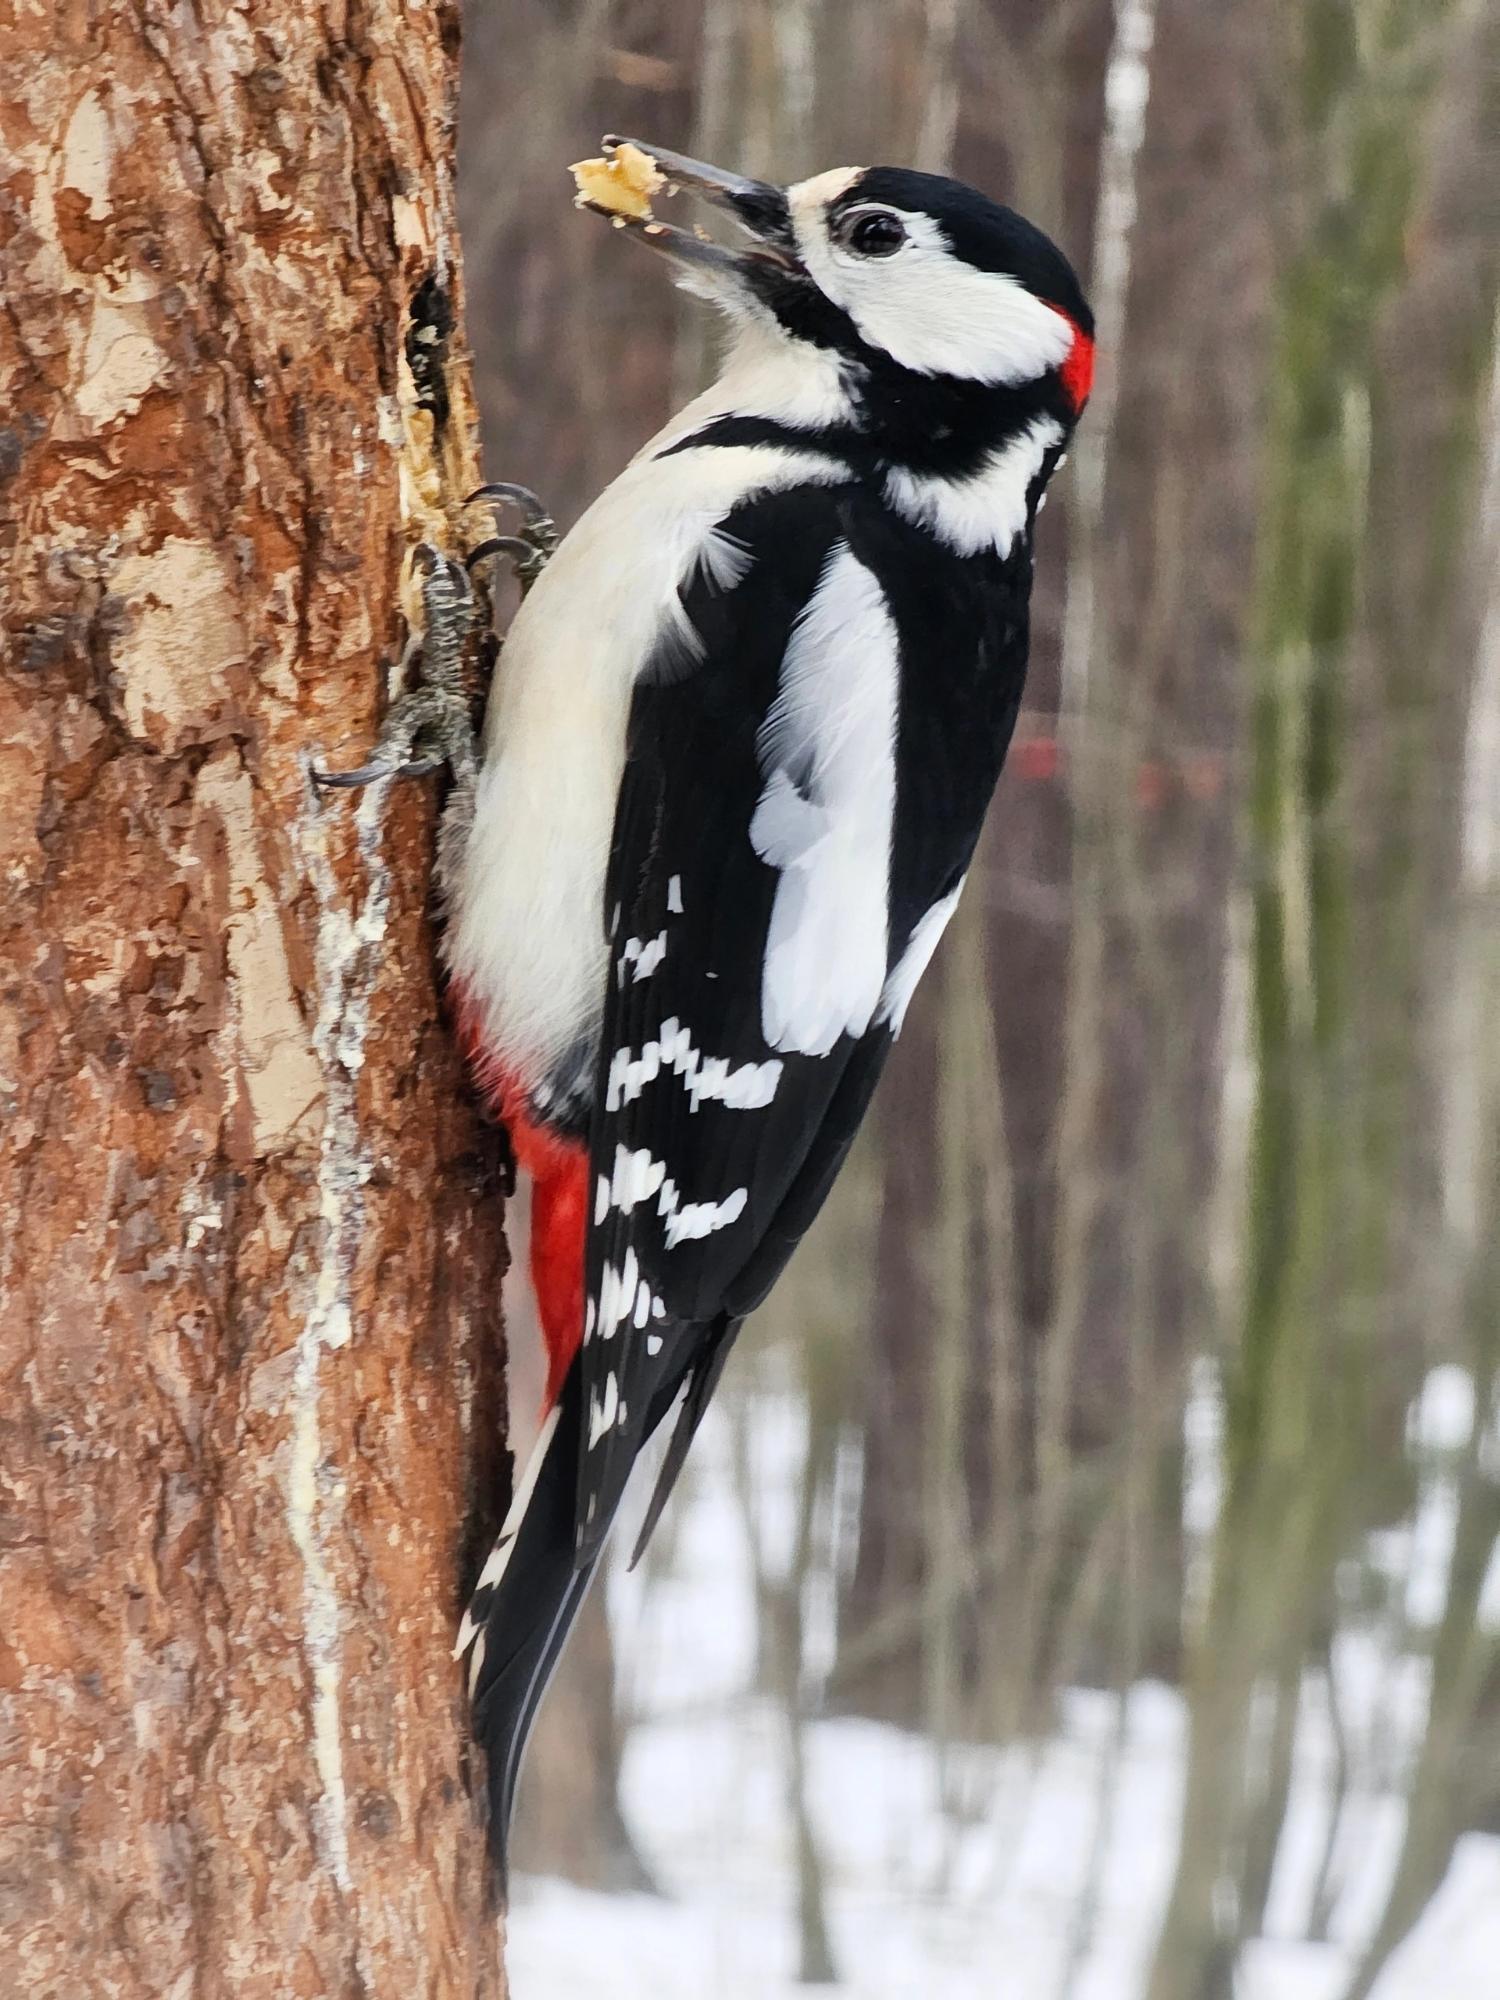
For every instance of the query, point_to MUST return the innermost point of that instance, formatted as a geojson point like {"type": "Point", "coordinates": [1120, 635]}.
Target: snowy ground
{"type": "Point", "coordinates": [1049, 1881]}
{"type": "Point", "coordinates": [728, 1929]}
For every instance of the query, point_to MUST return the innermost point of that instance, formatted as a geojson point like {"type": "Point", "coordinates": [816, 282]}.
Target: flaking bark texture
{"type": "Point", "coordinates": [250, 1239]}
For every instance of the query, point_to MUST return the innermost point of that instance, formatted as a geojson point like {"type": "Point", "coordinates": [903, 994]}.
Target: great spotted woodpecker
{"type": "Point", "coordinates": [744, 733]}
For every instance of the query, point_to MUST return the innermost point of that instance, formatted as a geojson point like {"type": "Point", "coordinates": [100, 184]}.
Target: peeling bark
{"type": "Point", "coordinates": [249, 1270]}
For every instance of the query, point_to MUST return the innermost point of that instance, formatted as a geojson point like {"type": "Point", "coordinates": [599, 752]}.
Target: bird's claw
{"type": "Point", "coordinates": [430, 724]}
{"type": "Point", "coordinates": [424, 729]}
{"type": "Point", "coordinates": [532, 548]}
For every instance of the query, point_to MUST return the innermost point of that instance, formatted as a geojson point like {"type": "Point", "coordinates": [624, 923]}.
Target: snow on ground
{"type": "Point", "coordinates": [1049, 1886]}
{"type": "Point", "coordinates": [704, 1800]}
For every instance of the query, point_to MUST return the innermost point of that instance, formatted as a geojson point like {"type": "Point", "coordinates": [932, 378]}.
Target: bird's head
{"type": "Point", "coordinates": [926, 291]}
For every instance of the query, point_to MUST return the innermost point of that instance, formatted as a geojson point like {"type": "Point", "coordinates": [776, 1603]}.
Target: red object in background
{"type": "Point", "coordinates": [1035, 757]}
{"type": "Point", "coordinates": [1151, 786]}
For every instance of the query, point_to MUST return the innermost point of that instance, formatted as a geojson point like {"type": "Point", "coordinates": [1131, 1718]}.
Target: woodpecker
{"type": "Point", "coordinates": [746, 726]}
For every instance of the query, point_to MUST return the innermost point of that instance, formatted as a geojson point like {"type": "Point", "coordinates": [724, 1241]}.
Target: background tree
{"type": "Point", "coordinates": [1089, 1396]}
{"type": "Point", "coordinates": [250, 1240]}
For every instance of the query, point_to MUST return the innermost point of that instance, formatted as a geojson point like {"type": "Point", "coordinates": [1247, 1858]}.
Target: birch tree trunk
{"type": "Point", "coordinates": [250, 1236]}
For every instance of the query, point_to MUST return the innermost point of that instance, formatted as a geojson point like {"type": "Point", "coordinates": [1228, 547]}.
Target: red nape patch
{"type": "Point", "coordinates": [559, 1171]}
{"type": "Point", "coordinates": [1077, 370]}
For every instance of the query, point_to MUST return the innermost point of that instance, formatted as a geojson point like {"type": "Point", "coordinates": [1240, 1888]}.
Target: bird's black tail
{"type": "Point", "coordinates": [538, 1573]}
{"type": "Point", "coordinates": [523, 1607]}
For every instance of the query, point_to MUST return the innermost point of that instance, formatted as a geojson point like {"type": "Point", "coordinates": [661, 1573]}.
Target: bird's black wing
{"type": "Point", "coordinates": [716, 1132]}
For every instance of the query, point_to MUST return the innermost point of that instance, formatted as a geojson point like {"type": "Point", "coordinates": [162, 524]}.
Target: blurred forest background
{"type": "Point", "coordinates": [1100, 1524]}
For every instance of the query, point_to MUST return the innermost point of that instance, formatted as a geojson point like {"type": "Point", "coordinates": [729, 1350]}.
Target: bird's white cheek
{"type": "Point", "coordinates": [934, 313]}
{"type": "Point", "coordinates": [938, 316]}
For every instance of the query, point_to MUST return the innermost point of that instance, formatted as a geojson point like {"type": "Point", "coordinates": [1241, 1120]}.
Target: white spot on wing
{"type": "Point", "coordinates": [636, 1177]}
{"type": "Point", "coordinates": [603, 1408]}
{"type": "Point", "coordinates": [825, 816]}
{"type": "Point", "coordinates": [625, 1295]}
{"type": "Point", "coordinates": [652, 954]}
{"type": "Point", "coordinates": [674, 896]}
{"type": "Point", "coordinates": [745, 1087]}
{"type": "Point", "coordinates": [742, 1087]}
{"type": "Point", "coordinates": [703, 1218]}
{"type": "Point", "coordinates": [640, 959]}
{"type": "Point", "coordinates": [916, 958]}
{"type": "Point", "coordinates": [617, 1294]}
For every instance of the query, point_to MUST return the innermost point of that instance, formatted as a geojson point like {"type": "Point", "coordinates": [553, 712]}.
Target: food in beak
{"type": "Point", "coordinates": [620, 186]}
{"type": "Point", "coordinates": [621, 183]}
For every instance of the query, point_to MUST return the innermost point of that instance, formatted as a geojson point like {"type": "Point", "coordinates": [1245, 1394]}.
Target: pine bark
{"type": "Point", "coordinates": [250, 1232]}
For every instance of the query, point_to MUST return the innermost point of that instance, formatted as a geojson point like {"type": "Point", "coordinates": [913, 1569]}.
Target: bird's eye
{"type": "Point", "coordinates": [874, 232]}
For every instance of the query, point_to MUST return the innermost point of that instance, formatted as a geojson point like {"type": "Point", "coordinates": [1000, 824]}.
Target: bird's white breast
{"type": "Point", "coordinates": [527, 934]}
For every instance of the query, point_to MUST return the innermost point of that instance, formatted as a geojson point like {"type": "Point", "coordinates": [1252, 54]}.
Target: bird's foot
{"type": "Point", "coordinates": [528, 551]}
{"type": "Point", "coordinates": [429, 724]}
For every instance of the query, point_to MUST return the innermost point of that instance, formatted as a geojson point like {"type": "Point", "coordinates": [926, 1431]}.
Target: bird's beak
{"type": "Point", "coordinates": [758, 207]}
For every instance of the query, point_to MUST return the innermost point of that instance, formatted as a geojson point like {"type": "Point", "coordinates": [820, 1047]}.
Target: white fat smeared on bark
{"type": "Point", "coordinates": [925, 306]}
{"type": "Point", "coordinates": [916, 958]}
{"type": "Point", "coordinates": [527, 935]}
{"type": "Point", "coordinates": [828, 748]}
{"type": "Point", "coordinates": [988, 508]}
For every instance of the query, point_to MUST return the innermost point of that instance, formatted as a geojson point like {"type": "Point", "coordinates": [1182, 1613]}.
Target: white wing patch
{"type": "Point", "coordinates": [636, 1178]}
{"type": "Point", "coordinates": [604, 1409]}
{"type": "Point", "coordinates": [746, 1086]}
{"type": "Point", "coordinates": [640, 957]}
{"type": "Point", "coordinates": [702, 1218]}
{"type": "Point", "coordinates": [620, 1297]}
{"type": "Point", "coordinates": [825, 817]}
{"type": "Point", "coordinates": [916, 958]}
{"type": "Point", "coordinates": [988, 508]}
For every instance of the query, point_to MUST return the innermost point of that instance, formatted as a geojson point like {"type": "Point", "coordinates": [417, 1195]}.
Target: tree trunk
{"type": "Point", "coordinates": [1326, 1362]}
{"type": "Point", "coordinates": [250, 1334]}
